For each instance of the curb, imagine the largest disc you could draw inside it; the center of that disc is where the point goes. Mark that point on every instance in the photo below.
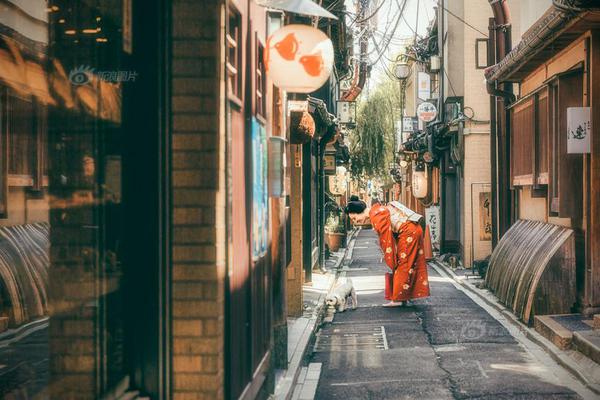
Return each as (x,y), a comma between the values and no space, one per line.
(556,354)
(288,384)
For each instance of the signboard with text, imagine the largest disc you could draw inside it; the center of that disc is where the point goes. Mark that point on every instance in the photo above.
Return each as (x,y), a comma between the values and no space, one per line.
(346,112)
(432,219)
(485,217)
(423,86)
(579,130)
(426,112)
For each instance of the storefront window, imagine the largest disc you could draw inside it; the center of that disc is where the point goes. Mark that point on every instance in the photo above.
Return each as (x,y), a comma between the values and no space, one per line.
(62,79)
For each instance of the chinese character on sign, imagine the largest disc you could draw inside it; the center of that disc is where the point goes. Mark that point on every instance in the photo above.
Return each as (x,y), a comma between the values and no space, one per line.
(346,112)
(432,218)
(579,130)
(485,217)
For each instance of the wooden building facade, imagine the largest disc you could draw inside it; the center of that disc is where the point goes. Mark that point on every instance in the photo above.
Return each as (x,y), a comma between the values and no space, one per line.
(555,71)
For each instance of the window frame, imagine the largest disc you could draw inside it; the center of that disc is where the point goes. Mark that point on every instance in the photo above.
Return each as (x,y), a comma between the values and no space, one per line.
(233,67)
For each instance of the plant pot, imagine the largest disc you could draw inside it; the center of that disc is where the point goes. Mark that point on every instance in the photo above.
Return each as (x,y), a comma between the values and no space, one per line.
(334,240)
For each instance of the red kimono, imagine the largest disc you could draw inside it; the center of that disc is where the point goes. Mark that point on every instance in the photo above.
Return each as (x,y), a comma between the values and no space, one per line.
(403,253)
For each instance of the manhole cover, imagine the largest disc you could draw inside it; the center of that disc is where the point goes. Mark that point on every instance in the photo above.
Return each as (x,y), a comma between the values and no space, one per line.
(352,339)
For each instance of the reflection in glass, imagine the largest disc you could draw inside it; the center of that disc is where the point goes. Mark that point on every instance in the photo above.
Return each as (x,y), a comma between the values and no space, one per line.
(62,332)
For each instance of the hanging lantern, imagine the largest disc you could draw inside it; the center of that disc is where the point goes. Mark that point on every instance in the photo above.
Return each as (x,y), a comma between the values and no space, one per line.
(299,58)
(419,184)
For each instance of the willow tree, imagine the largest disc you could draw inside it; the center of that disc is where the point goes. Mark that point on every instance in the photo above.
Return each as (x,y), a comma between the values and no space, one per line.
(372,141)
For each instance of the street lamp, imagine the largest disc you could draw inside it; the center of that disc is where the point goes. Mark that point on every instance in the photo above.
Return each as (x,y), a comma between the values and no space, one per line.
(402,70)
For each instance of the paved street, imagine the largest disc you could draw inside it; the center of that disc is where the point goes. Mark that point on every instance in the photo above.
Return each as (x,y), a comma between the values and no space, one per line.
(443,347)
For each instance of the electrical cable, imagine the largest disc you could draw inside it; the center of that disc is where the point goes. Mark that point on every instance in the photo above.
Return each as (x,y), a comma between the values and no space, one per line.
(394,30)
(463,21)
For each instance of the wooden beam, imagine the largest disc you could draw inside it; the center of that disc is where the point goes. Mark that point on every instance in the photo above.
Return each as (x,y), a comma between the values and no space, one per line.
(592,295)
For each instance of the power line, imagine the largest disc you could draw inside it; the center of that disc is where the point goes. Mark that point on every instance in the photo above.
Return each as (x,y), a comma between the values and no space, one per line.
(393,30)
(462,20)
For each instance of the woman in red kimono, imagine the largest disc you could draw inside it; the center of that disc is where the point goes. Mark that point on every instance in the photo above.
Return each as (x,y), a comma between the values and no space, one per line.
(401,240)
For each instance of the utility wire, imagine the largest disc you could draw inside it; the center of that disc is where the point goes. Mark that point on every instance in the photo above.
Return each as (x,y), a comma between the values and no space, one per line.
(393,30)
(462,20)
(417,21)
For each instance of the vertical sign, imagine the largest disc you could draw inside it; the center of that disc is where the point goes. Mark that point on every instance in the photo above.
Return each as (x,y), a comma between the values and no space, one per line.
(346,112)
(297,156)
(260,195)
(423,86)
(127,45)
(579,130)
(432,218)
(485,217)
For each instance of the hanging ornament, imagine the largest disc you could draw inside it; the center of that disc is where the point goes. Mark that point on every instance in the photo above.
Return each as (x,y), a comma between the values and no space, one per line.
(299,58)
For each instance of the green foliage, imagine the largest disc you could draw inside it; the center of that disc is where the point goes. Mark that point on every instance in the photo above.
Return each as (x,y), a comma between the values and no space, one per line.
(334,224)
(372,141)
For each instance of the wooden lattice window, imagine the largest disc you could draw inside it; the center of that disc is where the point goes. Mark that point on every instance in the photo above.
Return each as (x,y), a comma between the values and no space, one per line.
(260,81)
(234,53)
(522,140)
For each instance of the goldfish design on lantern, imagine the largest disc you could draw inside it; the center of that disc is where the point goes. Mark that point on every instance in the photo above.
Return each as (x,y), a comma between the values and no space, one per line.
(299,58)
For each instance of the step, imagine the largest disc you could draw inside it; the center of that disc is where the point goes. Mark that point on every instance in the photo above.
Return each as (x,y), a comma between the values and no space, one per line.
(588,343)
(597,321)
(560,336)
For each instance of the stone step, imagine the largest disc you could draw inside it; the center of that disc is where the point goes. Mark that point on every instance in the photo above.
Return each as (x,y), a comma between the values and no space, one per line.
(560,336)
(597,321)
(588,343)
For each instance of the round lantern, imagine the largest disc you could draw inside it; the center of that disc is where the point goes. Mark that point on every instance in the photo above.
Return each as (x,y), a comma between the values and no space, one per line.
(419,184)
(299,58)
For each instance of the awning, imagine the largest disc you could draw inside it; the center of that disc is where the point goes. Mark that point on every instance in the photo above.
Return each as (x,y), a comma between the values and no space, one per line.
(304,7)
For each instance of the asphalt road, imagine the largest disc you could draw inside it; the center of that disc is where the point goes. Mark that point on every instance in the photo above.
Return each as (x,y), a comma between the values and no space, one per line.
(442,347)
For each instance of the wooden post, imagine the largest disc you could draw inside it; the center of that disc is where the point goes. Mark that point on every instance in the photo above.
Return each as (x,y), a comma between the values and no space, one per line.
(592,291)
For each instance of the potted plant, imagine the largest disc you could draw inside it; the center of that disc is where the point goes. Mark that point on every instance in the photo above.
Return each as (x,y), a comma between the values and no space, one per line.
(335,232)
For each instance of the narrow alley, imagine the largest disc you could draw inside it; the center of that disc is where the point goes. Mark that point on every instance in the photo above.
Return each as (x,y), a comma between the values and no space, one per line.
(442,347)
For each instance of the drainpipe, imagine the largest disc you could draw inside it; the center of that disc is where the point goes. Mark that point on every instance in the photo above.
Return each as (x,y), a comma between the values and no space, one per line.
(499,46)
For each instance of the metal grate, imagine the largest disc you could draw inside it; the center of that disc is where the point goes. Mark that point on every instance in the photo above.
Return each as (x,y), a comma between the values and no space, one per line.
(352,339)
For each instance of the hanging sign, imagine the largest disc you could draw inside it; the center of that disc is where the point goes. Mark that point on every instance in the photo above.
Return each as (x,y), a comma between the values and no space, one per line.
(346,112)
(432,219)
(299,58)
(426,112)
(423,86)
(579,130)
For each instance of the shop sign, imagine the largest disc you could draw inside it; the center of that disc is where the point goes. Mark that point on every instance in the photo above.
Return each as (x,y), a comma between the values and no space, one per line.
(426,112)
(346,112)
(579,130)
(409,124)
(337,184)
(297,105)
(432,219)
(424,86)
(485,217)
(329,163)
